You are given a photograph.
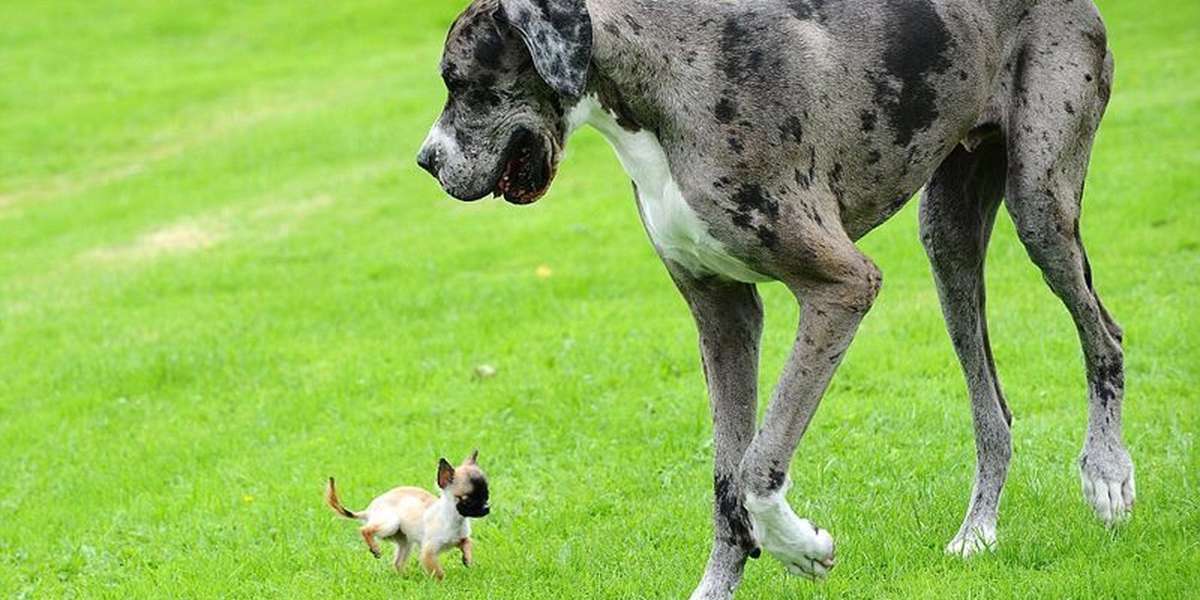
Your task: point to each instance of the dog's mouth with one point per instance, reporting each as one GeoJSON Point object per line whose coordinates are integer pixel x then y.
{"type": "Point", "coordinates": [474, 511]}
{"type": "Point", "coordinates": [528, 168]}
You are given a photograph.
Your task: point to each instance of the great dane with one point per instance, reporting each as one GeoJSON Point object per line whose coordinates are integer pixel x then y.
{"type": "Point", "coordinates": [764, 137]}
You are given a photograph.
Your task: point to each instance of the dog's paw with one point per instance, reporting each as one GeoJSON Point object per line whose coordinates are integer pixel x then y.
{"type": "Point", "coordinates": [804, 549]}
{"type": "Point", "coordinates": [971, 541]}
{"type": "Point", "coordinates": [1107, 474]}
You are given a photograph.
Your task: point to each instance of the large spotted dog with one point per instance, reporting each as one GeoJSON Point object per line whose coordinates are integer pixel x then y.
{"type": "Point", "coordinates": [763, 138]}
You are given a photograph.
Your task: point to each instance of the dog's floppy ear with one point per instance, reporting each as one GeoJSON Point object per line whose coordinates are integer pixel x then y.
{"type": "Point", "coordinates": [558, 34]}
{"type": "Point", "coordinates": [445, 473]}
{"type": "Point", "coordinates": [473, 457]}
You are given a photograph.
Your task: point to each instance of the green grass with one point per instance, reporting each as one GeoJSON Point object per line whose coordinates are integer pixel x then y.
{"type": "Point", "coordinates": [222, 278]}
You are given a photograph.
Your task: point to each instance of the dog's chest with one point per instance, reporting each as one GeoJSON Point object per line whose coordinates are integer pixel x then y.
{"type": "Point", "coordinates": [680, 235]}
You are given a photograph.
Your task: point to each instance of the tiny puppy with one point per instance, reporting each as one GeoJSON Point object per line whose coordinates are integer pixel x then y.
{"type": "Point", "coordinates": [411, 516]}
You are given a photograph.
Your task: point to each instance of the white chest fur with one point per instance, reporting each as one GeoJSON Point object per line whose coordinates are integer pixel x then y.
{"type": "Point", "coordinates": [443, 527]}
{"type": "Point", "coordinates": [674, 228]}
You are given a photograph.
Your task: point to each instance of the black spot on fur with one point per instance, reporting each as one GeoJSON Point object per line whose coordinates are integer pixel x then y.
{"type": "Point", "coordinates": [726, 110]}
{"type": "Point", "coordinates": [633, 24]}
{"type": "Point", "coordinates": [1108, 381]}
{"type": "Point", "coordinates": [1098, 39]}
{"type": "Point", "coordinates": [751, 201]}
{"type": "Point", "coordinates": [767, 236]}
{"type": "Point", "coordinates": [752, 198]}
{"type": "Point", "coordinates": [730, 510]}
{"type": "Point", "coordinates": [776, 478]}
{"type": "Point", "coordinates": [735, 145]}
{"type": "Point", "coordinates": [792, 130]}
{"type": "Point", "coordinates": [806, 9]}
{"type": "Point", "coordinates": [868, 120]}
{"type": "Point", "coordinates": [740, 57]}
{"type": "Point", "coordinates": [916, 51]}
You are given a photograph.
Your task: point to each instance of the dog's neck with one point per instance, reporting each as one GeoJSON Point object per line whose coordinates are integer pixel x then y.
{"type": "Point", "coordinates": [447, 508]}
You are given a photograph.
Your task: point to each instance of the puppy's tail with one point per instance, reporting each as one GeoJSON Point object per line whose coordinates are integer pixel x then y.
{"type": "Point", "coordinates": [331, 498]}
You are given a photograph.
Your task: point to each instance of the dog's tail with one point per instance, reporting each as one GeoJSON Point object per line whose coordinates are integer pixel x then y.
{"type": "Point", "coordinates": [331, 498]}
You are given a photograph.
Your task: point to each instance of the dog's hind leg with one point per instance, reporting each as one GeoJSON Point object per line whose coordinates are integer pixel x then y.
{"type": "Point", "coordinates": [402, 549]}
{"type": "Point", "coordinates": [958, 209]}
{"type": "Point", "coordinates": [1059, 99]}
{"type": "Point", "coordinates": [368, 535]}
{"type": "Point", "coordinates": [728, 318]}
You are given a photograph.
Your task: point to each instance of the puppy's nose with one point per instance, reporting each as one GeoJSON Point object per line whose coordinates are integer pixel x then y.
{"type": "Point", "coordinates": [427, 159]}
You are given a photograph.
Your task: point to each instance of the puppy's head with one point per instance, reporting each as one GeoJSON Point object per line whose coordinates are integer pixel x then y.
{"type": "Point", "coordinates": [512, 68]}
{"type": "Point", "coordinates": [466, 484]}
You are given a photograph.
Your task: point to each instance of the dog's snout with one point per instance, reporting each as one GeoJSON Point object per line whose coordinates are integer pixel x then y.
{"type": "Point", "coordinates": [427, 159]}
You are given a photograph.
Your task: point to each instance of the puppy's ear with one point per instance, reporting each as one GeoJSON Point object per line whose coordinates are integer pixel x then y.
{"type": "Point", "coordinates": [471, 460]}
{"type": "Point", "coordinates": [445, 473]}
{"type": "Point", "coordinates": [558, 34]}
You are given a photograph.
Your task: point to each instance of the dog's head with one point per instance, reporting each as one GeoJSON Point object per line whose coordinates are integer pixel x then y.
{"type": "Point", "coordinates": [466, 484]}
{"type": "Point", "coordinates": [512, 69]}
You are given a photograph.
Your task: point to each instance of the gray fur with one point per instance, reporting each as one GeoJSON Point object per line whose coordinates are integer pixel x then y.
{"type": "Point", "coordinates": [793, 128]}
{"type": "Point", "coordinates": [558, 34]}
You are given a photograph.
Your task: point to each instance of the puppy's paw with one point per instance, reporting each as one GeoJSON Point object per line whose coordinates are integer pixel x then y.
{"type": "Point", "coordinates": [971, 541]}
{"type": "Point", "coordinates": [804, 549]}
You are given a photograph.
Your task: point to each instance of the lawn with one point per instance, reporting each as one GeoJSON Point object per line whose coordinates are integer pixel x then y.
{"type": "Point", "coordinates": [223, 279]}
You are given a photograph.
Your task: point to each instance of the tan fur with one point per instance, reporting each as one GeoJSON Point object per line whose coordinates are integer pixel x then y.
{"type": "Point", "coordinates": [411, 516]}
{"type": "Point", "coordinates": [465, 546]}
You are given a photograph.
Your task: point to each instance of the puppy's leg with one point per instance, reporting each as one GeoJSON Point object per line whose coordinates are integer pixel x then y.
{"type": "Point", "coordinates": [402, 547]}
{"type": "Point", "coordinates": [368, 534]}
{"type": "Point", "coordinates": [1051, 126]}
{"type": "Point", "coordinates": [957, 213]}
{"type": "Point", "coordinates": [468, 558]}
{"type": "Point", "coordinates": [429, 560]}
{"type": "Point", "coordinates": [836, 285]}
{"type": "Point", "coordinates": [728, 318]}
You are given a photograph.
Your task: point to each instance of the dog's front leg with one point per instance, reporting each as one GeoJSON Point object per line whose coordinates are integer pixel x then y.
{"type": "Point", "coordinates": [832, 306]}
{"type": "Point", "coordinates": [468, 556]}
{"type": "Point", "coordinates": [429, 560]}
{"type": "Point", "coordinates": [729, 321]}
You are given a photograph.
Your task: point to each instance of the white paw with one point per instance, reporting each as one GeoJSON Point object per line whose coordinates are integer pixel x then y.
{"type": "Point", "coordinates": [971, 541]}
{"type": "Point", "coordinates": [1108, 483]}
{"type": "Point", "coordinates": [804, 549]}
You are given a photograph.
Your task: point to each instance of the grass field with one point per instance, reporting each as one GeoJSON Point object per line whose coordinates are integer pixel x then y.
{"type": "Point", "coordinates": [222, 279]}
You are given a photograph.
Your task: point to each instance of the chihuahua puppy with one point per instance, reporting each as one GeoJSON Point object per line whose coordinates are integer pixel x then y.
{"type": "Point", "coordinates": [411, 516]}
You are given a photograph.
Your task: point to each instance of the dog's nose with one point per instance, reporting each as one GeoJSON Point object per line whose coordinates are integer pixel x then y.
{"type": "Point", "coordinates": [427, 159]}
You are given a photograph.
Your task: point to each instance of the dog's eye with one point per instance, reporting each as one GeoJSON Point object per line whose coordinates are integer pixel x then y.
{"type": "Point", "coordinates": [455, 84]}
